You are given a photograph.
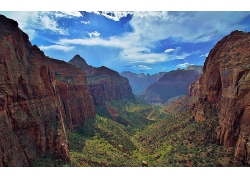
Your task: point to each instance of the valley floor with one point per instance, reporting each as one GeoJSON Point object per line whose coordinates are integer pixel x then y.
{"type": "Point", "coordinates": [143, 135]}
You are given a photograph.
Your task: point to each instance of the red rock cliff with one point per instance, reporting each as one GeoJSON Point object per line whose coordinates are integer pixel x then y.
{"type": "Point", "coordinates": [39, 98]}
{"type": "Point", "coordinates": [104, 84]}
{"type": "Point", "coordinates": [225, 84]}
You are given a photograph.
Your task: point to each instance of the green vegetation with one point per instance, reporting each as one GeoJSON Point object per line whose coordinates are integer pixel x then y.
{"type": "Point", "coordinates": [49, 160]}
{"type": "Point", "coordinates": [100, 152]}
{"type": "Point", "coordinates": [132, 113]}
{"type": "Point", "coordinates": [132, 137]}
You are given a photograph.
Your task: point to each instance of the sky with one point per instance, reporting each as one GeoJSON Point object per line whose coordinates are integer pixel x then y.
{"type": "Point", "coordinates": [136, 41]}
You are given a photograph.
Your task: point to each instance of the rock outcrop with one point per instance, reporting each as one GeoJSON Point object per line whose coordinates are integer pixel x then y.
{"type": "Point", "coordinates": [225, 86]}
{"type": "Point", "coordinates": [39, 98]}
{"type": "Point", "coordinates": [171, 84]}
{"type": "Point", "coordinates": [104, 84]}
{"type": "Point", "coordinates": [139, 82]}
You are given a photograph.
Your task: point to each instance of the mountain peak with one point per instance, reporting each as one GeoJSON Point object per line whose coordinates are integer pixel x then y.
{"type": "Point", "coordinates": [77, 56]}
{"type": "Point", "coordinates": [78, 61]}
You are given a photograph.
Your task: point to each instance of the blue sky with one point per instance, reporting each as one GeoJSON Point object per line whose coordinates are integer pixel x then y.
{"type": "Point", "coordinates": [137, 41]}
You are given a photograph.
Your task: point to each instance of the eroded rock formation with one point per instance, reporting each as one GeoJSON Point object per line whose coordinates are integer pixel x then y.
{"type": "Point", "coordinates": [104, 84]}
{"type": "Point", "coordinates": [39, 98]}
{"type": "Point", "coordinates": [225, 85]}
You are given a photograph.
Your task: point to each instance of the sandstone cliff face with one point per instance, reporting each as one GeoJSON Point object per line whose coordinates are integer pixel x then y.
{"type": "Point", "coordinates": [139, 82]}
{"type": "Point", "coordinates": [225, 84]}
{"type": "Point", "coordinates": [104, 84]}
{"type": "Point", "coordinates": [171, 84]}
{"type": "Point", "coordinates": [39, 97]}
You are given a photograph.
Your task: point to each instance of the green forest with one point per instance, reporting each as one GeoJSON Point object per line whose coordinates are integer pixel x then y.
{"type": "Point", "coordinates": [132, 133]}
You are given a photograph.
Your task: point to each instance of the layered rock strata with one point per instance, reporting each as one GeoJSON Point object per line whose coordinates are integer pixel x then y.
{"type": "Point", "coordinates": [39, 98]}
{"type": "Point", "coordinates": [225, 84]}
{"type": "Point", "coordinates": [104, 84]}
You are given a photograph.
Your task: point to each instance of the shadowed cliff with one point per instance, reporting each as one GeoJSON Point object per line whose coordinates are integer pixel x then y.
{"type": "Point", "coordinates": [39, 98]}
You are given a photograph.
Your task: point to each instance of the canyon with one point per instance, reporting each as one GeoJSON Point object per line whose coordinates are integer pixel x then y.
{"type": "Point", "coordinates": [48, 108]}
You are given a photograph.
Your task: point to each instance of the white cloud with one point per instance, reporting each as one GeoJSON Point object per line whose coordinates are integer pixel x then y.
{"type": "Point", "coordinates": [88, 42]}
{"type": "Point", "coordinates": [114, 15]}
{"type": "Point", "coordinates": [95, 34]}
{"type": "Point", "coordinates": [26, 20]}
{"type": "Point", "coordinates": [184, 65]}
{"type": "Point", "coordinates": [117, 15]}
{"type": "Point", "coordinates": [197, 52]}
{"type": "Point", "coordinates": [68, 14]}
{"type": "Point", "coordinates": [140, 67]}
{"type": "Point", "coordinates": [152, 27]}
{"type": "Point", "coordinates": [73, 13]}
{"type": "Point", "coordinates": [130, 51]}
{"type": "Point", "coordinates": [169, 50]}
{"type": "Point", "coordinates": [56, 47]}
{"type": "Point", "coordinates": [31, 21]}
{"type": "Point", "coordinates": [144, 67]}
{"type": "Point", "coordinates": [148, 29]}
{"type": "Point", "coordinates": [175, 51]}
{"type": "Point", "coordinates": [85, 22]}
{"type": "Point", "coordinates": [200, 26]}
{"type": "Point", "coordinates": [204, 55]}
{"type": "Point", "coordinates": [51, 24]}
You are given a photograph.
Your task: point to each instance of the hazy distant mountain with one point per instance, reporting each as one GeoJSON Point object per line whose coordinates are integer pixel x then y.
{"type": "Point", "coordinates": [139, 82]}
{"type": "Point", "coordinates": [171, 84]}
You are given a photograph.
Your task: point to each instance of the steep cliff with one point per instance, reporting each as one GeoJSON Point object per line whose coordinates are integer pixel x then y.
{"type": "Point", "coordinates": [139, 82]}
{"type": "Point", "coordinates": [171, 84]}
{"type": "Point", "coordinates": [39, 98]}
{"type": "Point", "coordinates": [104, 84]}
{"type": "Point", "coordinates": [225, 86]}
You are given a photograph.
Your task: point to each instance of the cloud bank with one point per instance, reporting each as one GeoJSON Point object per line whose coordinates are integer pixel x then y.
{"type": "Point", "coordinates": [137, 47]}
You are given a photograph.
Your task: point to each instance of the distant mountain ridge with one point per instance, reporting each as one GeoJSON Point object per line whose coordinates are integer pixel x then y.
{"type": "Point", "coordinates": [171, 84]}
{"type": "Point", "coordinates": [139, 82]}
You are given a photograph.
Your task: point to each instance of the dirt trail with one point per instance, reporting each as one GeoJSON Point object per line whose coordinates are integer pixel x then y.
{"type": "Point", "coordinates": [151, 119]}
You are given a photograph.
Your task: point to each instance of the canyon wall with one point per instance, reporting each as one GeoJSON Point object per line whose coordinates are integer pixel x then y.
{"type": "Point", "coordinates": [39, 98]}
{"type": "Point", "coordinates": [225, 85]}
